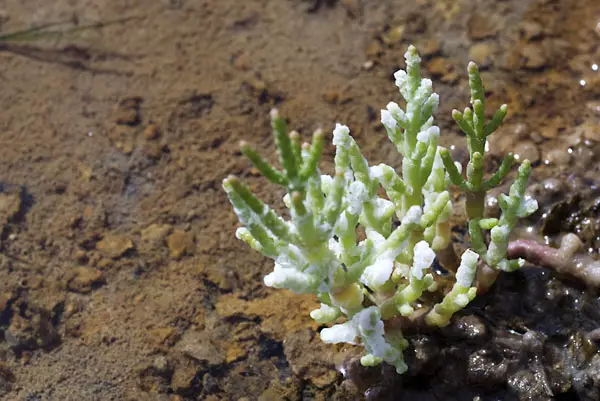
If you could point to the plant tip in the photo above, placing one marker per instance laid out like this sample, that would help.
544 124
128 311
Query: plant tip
472 67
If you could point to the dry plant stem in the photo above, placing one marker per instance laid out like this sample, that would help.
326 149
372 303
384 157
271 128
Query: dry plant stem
486 277
562 260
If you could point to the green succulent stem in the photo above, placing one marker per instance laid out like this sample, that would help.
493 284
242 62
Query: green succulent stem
342 242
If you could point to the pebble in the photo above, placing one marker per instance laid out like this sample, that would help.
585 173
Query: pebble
181 243
527 150
469 328
530 29
123 137
374 49
438 66
394 35
481 53
533 56
558 157
128 111
589 130
429 48
242 62
163 335
155 234
151 132
221 277
235 352
114 246
31 328
184 377
200 346
83 279
480 27
552 127
152 150
10 206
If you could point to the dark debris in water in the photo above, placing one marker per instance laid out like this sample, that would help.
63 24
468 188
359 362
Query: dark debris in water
526 339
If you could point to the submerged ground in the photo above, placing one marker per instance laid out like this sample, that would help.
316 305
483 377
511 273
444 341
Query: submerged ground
120 277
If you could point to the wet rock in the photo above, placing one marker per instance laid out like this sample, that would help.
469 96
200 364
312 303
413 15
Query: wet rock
235 352
31 327
547 191
288 390
181 243
123 138
10 205
529 386
394 35
264 92
152 150
588 130
533 56
527 150
552 127
424 354
114 246
151 132
485 370
374 50
594 106
200 346
164 335
310 359
439 67
222 277
429 48
415 23
587 382
184 377
530 29
104 264
468 328
6 379
128 111
154 235
533 343
195 106
84 279
273 310
482 53
558 157
155 378
480 27
242 61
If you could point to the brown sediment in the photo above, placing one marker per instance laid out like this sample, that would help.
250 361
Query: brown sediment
120 275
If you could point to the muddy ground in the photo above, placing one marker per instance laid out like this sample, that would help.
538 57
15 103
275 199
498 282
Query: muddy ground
120 277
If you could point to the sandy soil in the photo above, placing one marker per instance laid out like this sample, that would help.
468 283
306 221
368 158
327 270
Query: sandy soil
120 277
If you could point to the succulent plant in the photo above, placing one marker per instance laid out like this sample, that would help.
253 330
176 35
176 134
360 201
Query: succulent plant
372 283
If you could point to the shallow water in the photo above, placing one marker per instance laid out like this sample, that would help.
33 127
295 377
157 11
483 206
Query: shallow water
120 277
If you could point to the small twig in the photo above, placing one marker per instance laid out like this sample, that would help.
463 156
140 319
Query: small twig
563 260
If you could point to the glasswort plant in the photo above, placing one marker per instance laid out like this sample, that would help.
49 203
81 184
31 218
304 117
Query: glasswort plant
371 284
